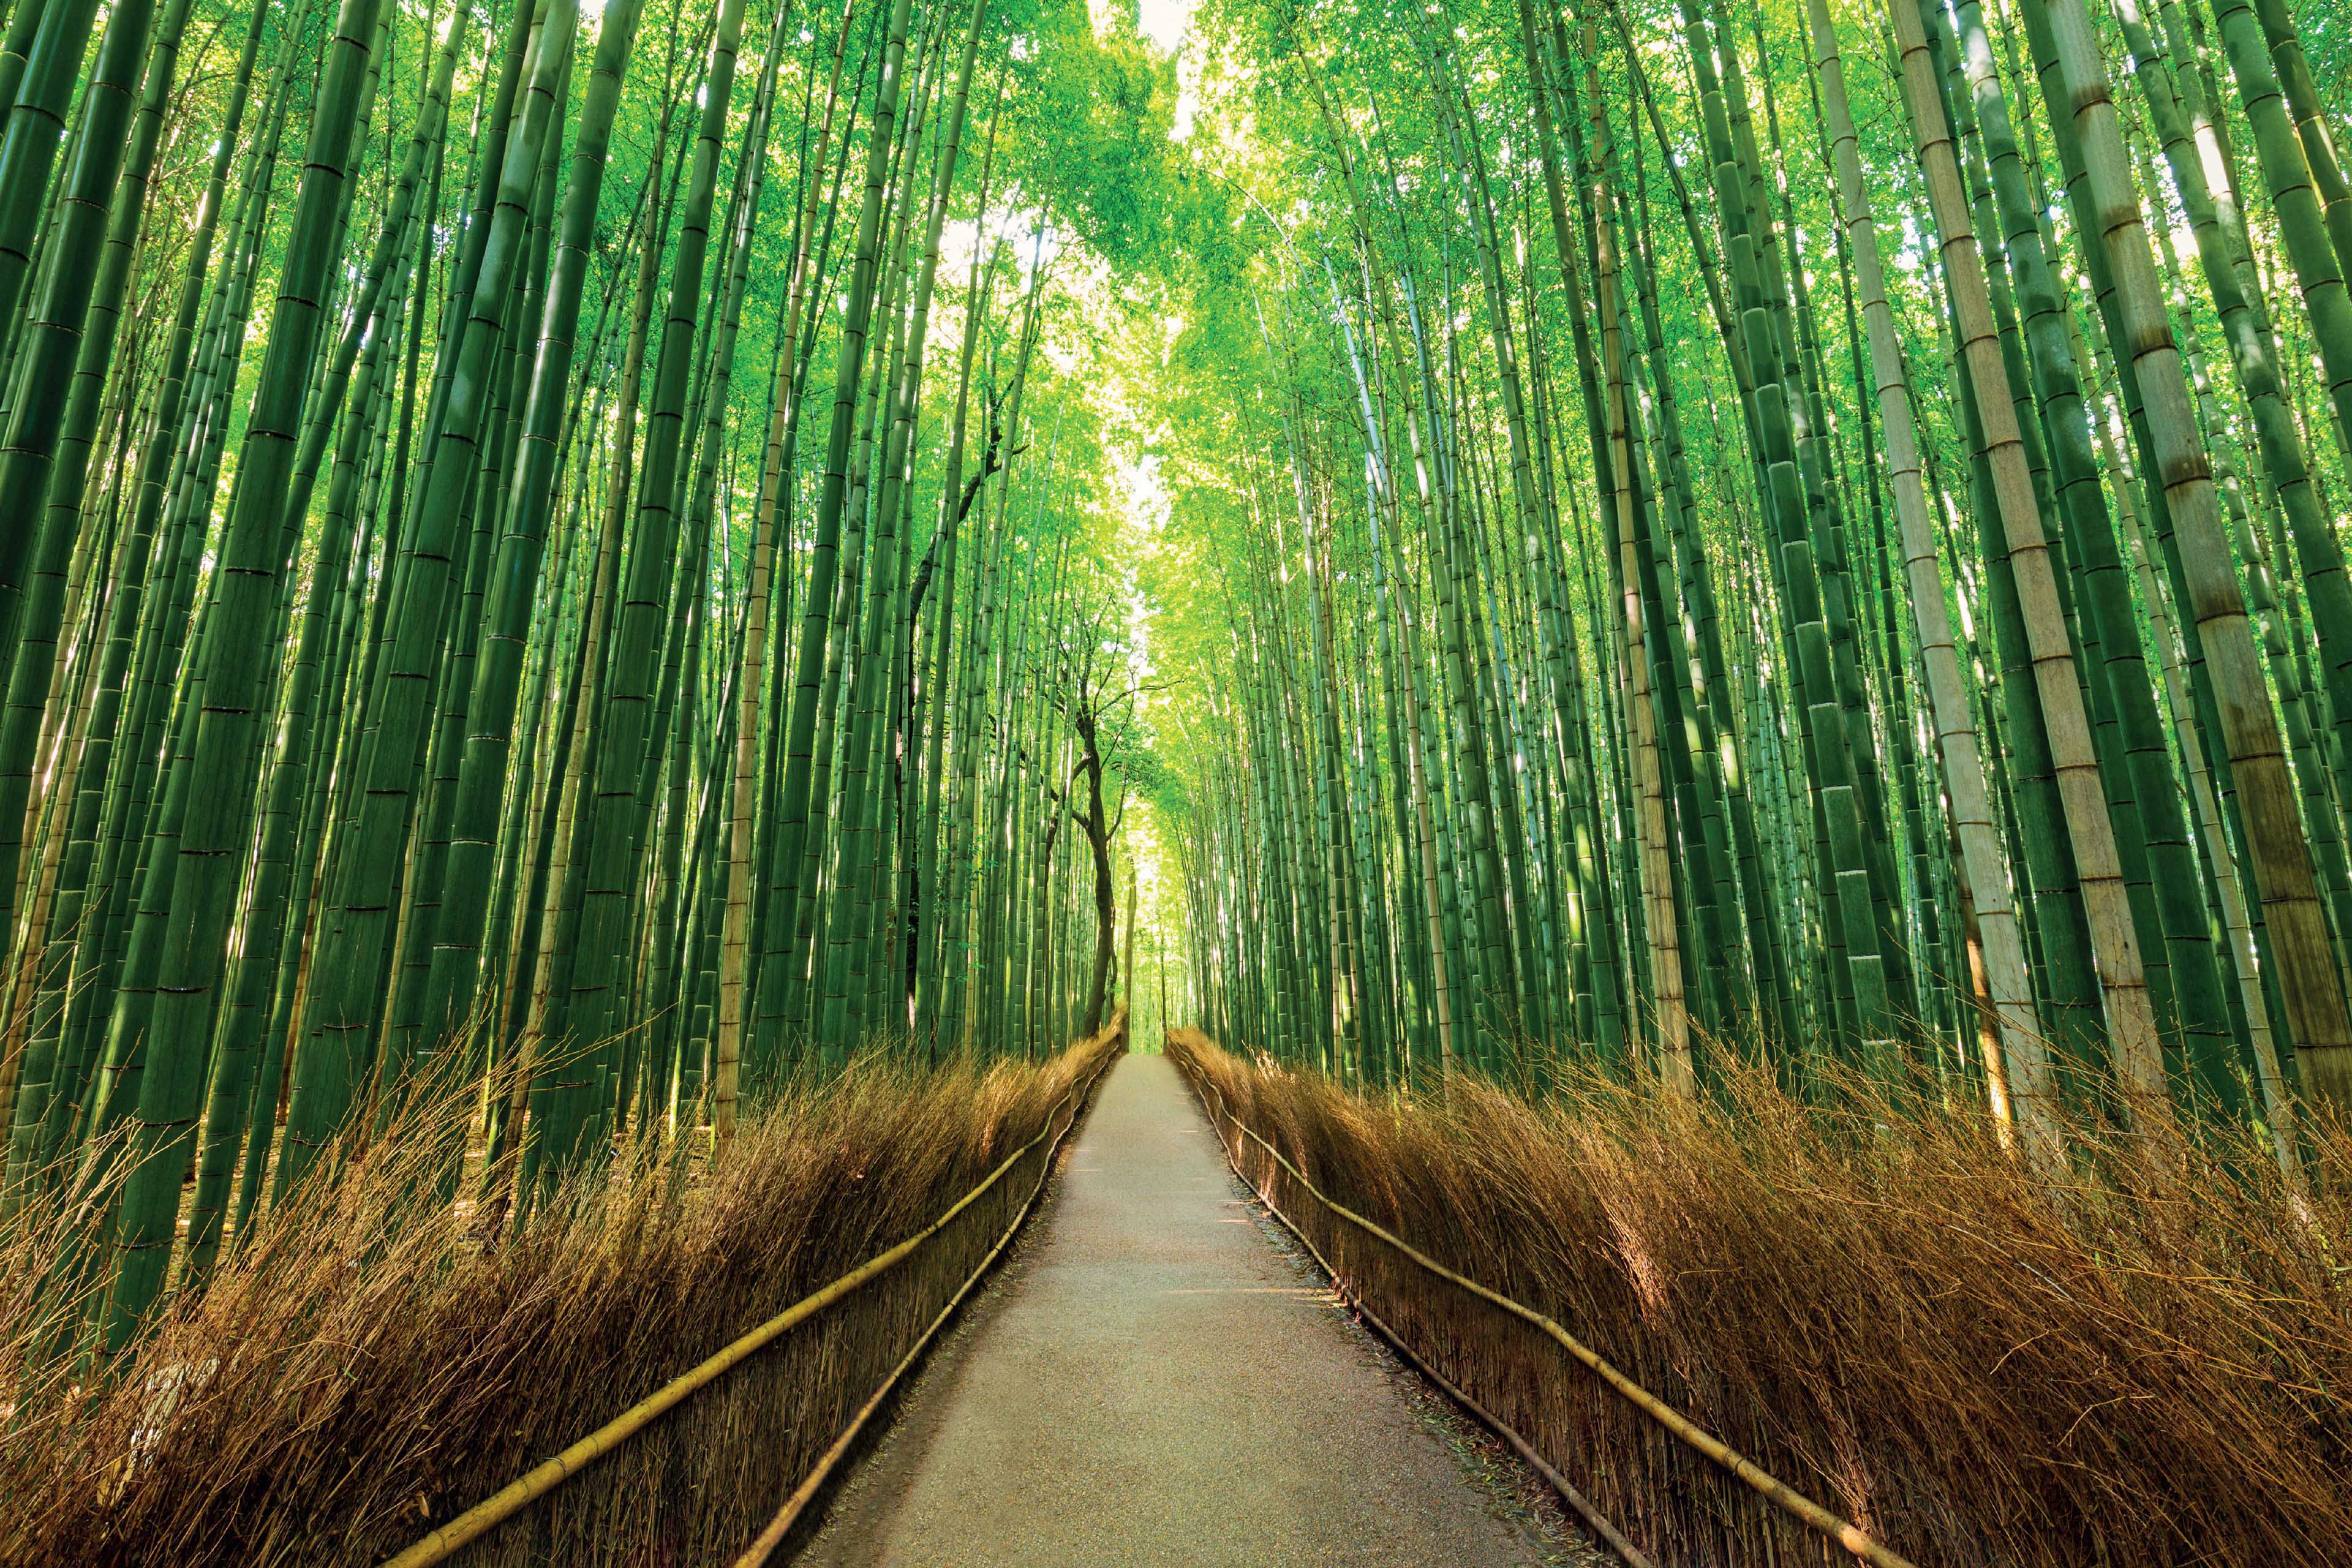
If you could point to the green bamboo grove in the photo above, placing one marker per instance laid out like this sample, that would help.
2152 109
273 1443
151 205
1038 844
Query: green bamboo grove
540 569
1797 534
595 562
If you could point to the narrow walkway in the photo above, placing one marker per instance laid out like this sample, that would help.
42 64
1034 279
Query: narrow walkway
1153 1383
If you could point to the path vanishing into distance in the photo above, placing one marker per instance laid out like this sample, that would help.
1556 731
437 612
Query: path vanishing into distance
1152 1382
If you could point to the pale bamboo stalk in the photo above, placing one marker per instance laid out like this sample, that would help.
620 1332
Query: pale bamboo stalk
1657 867
2030 1099
2137 1057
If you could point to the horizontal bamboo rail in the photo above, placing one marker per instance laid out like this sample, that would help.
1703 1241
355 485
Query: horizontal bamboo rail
757 1553
1789 1501
1632 1555
547 1475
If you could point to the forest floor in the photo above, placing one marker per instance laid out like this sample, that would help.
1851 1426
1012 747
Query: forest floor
1155 1380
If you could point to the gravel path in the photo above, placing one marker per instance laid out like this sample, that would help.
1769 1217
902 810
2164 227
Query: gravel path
1151 1381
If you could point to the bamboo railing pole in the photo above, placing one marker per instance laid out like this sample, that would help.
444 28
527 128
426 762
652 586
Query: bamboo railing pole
1786 1497
549 1474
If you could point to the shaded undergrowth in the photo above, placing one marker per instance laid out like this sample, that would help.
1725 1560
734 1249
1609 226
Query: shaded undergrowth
368 1364
1874 1302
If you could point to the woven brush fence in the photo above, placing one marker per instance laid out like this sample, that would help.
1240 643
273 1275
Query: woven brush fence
353 1382
1900 1327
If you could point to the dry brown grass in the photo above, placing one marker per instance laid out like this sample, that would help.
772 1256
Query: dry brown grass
368 1366
1874 1303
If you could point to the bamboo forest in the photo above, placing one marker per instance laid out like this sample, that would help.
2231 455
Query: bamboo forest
1228 782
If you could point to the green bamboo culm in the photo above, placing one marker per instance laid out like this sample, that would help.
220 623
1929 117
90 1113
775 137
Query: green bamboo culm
615 823
253 570
340 1028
